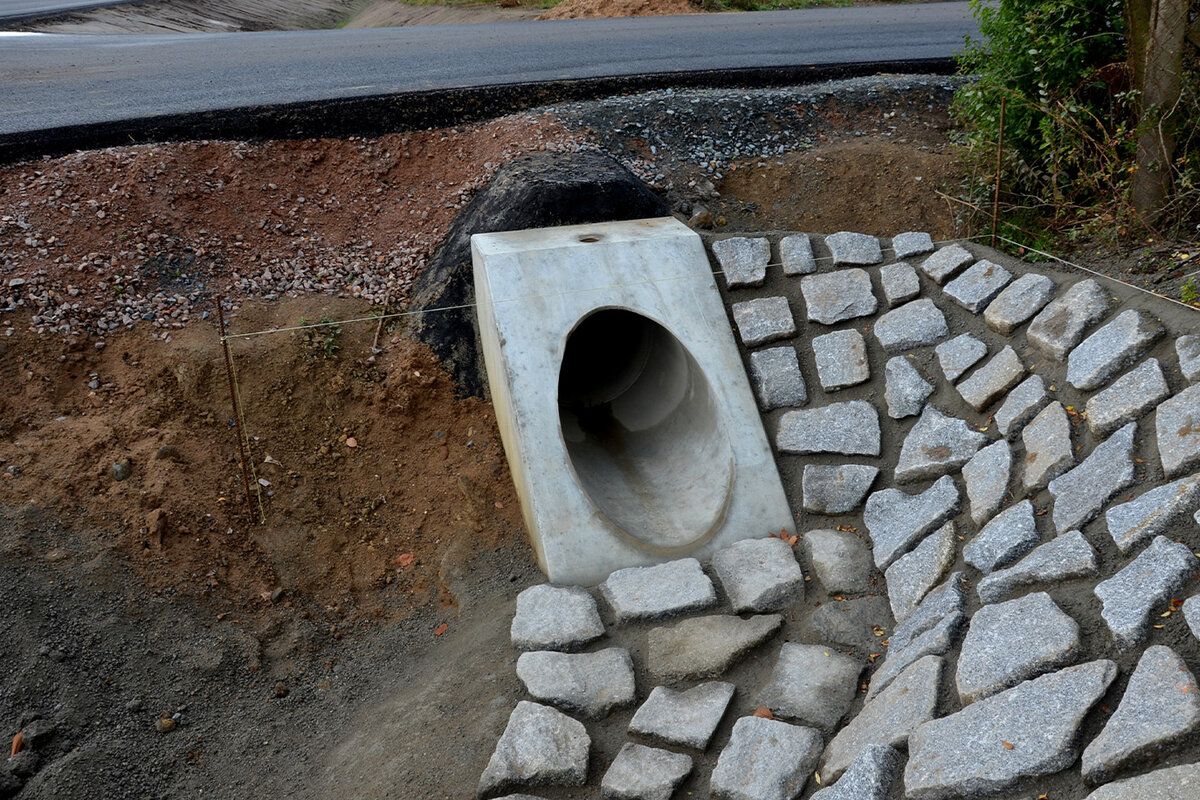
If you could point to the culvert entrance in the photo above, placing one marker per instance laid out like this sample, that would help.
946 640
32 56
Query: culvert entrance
643 431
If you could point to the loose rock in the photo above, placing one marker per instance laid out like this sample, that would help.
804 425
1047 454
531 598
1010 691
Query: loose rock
744 261
936 445
912 243
1081 493
644 773
763 320
539 747
836 489
900 283
914 324
841 358
1062 323
1063 558
993 379
1147 582
555 618
811 683
856 249
976 287
1172 783
1022 404
660 591
897 520
687 718
987 475
1106 351
1019 301
592 684
1146 516
759 575
778 382
705 647
959 354
858 624
833 297
796 252
945 262
906 391
913 575
1048 451
1007 537
765 760
1188 350
1127 399
1177 423
850 428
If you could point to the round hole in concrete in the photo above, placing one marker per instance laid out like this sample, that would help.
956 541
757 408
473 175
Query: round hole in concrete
643 431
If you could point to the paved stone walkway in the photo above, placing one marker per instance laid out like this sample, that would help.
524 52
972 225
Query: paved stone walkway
996 474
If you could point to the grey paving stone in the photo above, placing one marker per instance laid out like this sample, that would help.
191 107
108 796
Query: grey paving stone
663 590
811 683
841 358
591 684
966 755
778 382
797 255
1160 707
1191 614
555 618
1112 347
836 489
1013 641
1081 493
957 355
913 575
1127 399
1064 557
705 647
948 600
937 641
1146 516
763 320
854 249
1177 423
833 297
1171 783
912 243
744 261
1062 323
1144 584
861 623
1008 536
900 283
766 759
889 718
1048 451
540 746
905 390
986 476
976 287
914 324
1188 350
644 773
897 520
841 560
868 778
519 797
996 377
936 445
759 575
688 718
850 428
1019 301
945 262
1022 404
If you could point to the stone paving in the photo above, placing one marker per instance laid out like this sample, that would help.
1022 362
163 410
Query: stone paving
994 590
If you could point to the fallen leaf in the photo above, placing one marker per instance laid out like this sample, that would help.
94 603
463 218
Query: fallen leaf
404 559
763 712
351 442
18 740
817 778
440 629
1007 745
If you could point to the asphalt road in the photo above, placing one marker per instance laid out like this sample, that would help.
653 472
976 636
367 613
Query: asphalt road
16 9
47 81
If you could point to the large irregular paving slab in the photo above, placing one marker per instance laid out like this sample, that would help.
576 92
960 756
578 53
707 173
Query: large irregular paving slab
1008 536
763 320
796 253
937 641
986 476
897 520
936 445
705 647
868 778
905 390
948 600
1011 642
889 718
853 249
836 489
744 261
913 575
850 428
990 746
841 358
1067 556
833 297
644 773
1019 301
688 718
1188 350
1146 516
591 684
996 377
912 243
1048 451
899 283
811 683
766 759
1144 584
976 287
778 381
1062 323
759 575
1127 399
956 356
555 618
858 624
1160 708
540 746
1081 493
1022 404
663 590
1172 783
1112 347
1177 424
914 324
1191 612
945 262
841 560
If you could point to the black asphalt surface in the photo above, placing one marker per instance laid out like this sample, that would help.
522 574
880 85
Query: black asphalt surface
19 9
